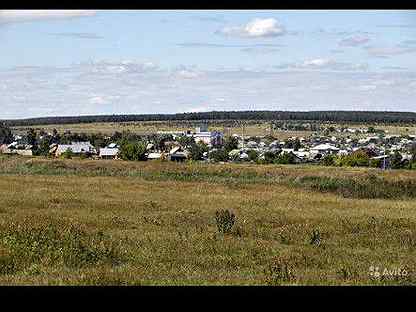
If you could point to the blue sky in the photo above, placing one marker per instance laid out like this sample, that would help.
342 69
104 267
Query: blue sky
113 62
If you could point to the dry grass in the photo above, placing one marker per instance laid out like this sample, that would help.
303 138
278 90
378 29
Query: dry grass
252 128
72 228
149 127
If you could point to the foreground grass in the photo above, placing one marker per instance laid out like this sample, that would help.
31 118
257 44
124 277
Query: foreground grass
74 223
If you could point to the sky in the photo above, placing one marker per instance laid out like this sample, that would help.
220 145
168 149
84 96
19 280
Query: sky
84 62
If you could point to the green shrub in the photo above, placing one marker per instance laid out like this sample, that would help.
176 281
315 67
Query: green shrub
253 155
329 160
219 155
197 150
68 154
285 159
225 221
269 157
356 159
133 151
376 163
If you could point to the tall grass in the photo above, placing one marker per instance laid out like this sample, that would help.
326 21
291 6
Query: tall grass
27 245
364 184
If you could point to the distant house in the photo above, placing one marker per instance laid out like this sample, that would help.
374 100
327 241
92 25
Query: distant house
23 152
3 148
252 144
108 153
77 148
178 154
210 138
303 155
152 156
17 149
287 150
324 149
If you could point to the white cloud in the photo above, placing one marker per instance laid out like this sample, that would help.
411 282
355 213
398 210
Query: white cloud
188 74
111 67
197 109
385 52
101 100
354 41
97 100
256 28
317 63
12 16
324 64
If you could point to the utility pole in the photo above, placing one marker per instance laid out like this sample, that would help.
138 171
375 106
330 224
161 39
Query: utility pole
242 125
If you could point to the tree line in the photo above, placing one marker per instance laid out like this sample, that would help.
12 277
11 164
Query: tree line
331 116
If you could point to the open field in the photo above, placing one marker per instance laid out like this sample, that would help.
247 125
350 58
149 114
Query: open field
252 128
149 127
153 223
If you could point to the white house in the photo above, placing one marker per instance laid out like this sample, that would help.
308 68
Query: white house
77 148
324 149
108 153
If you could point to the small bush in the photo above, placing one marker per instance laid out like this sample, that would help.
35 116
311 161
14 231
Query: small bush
281 271
315 238
68 154
225 221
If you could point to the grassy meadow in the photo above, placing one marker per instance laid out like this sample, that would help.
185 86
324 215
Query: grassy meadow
83 222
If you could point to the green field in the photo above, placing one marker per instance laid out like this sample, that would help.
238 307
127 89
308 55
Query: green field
82 222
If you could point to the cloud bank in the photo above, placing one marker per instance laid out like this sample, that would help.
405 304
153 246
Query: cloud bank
15 16
324 64
386 52
111 87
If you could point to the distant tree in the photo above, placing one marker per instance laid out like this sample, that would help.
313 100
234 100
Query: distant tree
230 143
413 152
44 146
159 140
328 160
269 157
286 159
133 151
376 163
31 137
396 161
185 141
356 159
253 155
117 136
219 155
197 150
6 136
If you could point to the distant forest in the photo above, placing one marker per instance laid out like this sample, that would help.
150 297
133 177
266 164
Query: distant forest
320 116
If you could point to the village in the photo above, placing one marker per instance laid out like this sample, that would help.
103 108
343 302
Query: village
375 148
